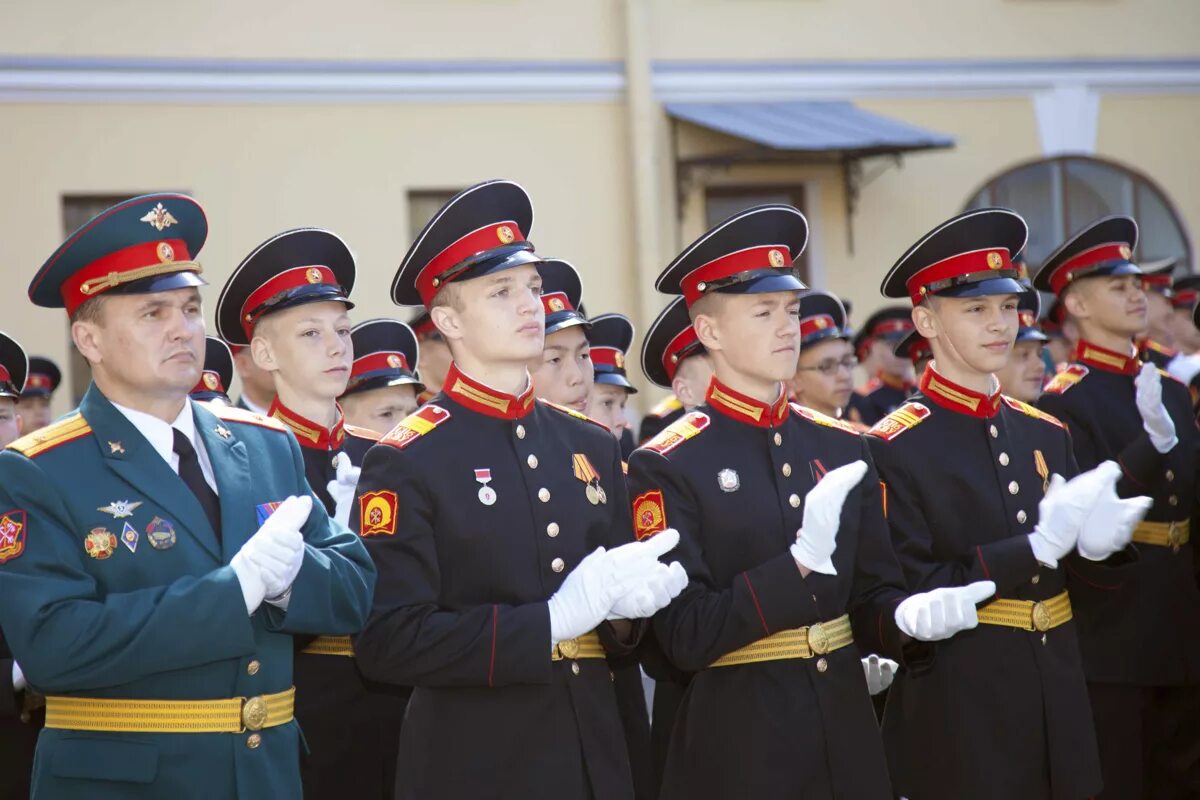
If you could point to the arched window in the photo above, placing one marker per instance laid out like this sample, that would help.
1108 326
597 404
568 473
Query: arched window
1058 196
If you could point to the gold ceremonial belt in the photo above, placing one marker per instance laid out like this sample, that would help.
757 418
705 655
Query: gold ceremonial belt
586 646
1027 614
815 640
1164 534
330 646
235 715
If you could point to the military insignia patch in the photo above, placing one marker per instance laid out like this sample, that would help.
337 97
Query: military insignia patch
263 511
903 418
130 537
416 425
1033 411
100 543
120 509
1066 379
377 513
159 218
728 480
678 432
12 535
649 515
161 534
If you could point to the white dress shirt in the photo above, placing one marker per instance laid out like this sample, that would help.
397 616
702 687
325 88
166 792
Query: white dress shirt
160 436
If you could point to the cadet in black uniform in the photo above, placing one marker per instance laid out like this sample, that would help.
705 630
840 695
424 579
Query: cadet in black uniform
611 336
782 533
892 382
1139 628
293 315
1024 373
488 512
34 409
217 374
975 490
384 387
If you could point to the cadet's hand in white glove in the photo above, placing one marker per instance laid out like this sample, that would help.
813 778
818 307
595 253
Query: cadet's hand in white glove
817 538
880 672
1109 526
1155 419
1063 511
941 613
343 488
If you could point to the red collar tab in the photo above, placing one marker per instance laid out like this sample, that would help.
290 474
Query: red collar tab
950 395
210 381
256 303
811 326
1080 265
746 409
608 357
309 433
484 399
144 260
1100 358
36 380
771 256
1151 346
977 265
555 302
685 343
480 240
375 362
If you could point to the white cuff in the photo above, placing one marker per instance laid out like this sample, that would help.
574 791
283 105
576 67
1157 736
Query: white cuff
18 677
281 602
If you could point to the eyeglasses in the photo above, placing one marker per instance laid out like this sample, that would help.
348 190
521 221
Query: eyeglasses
829 366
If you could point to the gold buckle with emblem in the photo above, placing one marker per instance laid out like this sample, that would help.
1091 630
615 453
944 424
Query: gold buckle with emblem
1028 615
586 646
254 713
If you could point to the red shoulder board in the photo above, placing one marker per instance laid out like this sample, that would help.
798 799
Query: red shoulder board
1067 378
678 432
823 419
907 416
362 433
415 425
570 412
1033 411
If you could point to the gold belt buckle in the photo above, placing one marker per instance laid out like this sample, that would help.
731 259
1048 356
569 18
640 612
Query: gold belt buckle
254 713
818 640
1175 536
1041 617
569 648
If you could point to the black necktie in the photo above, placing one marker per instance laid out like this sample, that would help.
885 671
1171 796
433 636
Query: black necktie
193 476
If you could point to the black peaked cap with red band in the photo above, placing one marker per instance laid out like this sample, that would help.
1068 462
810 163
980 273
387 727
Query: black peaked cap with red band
822 317
562 293
669 342
751 252
970 255
611 336
304 265
218 371
481 230
1103 248
14 367
914 347
1185 292
385 354
890 323
1158 276
1029 308
44 377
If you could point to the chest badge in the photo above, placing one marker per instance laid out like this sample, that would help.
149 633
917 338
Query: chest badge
223 432
161 534
487 495
100 543
130 537
728 480
116 447
120 509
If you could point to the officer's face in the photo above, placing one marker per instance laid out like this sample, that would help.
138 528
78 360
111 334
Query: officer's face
565 373
10 426
1023 375
380 409
1112 304
825 376
975 334
145 345
754 335
607 406
496 319
34 413
307 349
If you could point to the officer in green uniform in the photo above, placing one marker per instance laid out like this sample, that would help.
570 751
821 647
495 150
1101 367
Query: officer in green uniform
157 556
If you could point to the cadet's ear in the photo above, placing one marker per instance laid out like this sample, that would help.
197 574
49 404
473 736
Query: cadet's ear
708 331
1075 301
262 353
448 321
926 320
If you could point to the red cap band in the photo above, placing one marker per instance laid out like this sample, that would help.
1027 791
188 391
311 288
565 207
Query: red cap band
608 357
995 258
209 382
75 290
288 279
37 380
4 375
477 241
817 324
555 302
682 341
372 362
773 256
1112 251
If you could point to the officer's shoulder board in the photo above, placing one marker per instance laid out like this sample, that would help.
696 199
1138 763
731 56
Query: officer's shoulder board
678 432
235 414
823 419
415 425
362 433
1066 378
68 429
904 418
1033 411
570 412
668 405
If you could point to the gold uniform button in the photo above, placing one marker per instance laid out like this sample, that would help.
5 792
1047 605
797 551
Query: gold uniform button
552 530
787 470
520 431
794 501
994 432
1004 459
532 461
253 741
1173 500
822 665
1022 516
778 439
558 565
1170 475
544 494
1013 487
253 667
1035 580
574 667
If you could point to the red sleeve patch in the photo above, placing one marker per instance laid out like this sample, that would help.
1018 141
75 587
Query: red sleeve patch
649 515
377 513
12 535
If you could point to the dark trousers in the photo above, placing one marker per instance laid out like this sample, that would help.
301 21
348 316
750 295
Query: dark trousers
1149 738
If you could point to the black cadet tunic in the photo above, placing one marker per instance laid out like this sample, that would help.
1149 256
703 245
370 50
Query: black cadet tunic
732 477
1000 712
476 508
877 398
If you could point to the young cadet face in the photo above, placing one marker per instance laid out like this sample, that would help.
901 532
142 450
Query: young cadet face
145 345
1023 375
257 382
607 406
10 426
306 348
496 319
1113 304
380 409
971 333
34 412
565 373
822 382
756 337
692 378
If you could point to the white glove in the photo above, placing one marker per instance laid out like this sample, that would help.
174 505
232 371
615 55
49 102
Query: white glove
18 677
880 672
661 587
941 613
269 561
343 488
1155 419
817 538
1184 367
1109 526
1062 513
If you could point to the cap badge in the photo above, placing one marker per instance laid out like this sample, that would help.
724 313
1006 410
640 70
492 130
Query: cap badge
394 362
159 217
165 252
994 260
313 275
1126 253
556 304
210 382
505 234
776 258
619 360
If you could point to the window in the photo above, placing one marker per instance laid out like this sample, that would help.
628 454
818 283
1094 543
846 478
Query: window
1059 196
722 202
423 204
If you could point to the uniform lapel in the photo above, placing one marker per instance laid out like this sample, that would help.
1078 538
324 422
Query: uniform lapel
131 457
231 466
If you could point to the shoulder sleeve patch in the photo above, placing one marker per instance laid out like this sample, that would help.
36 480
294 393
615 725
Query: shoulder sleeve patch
362 433
67 429
823 419
1033 411
667 405
415 425
649 515
12 534
235 414
907 416
678 432
570 412
1065 379
377 513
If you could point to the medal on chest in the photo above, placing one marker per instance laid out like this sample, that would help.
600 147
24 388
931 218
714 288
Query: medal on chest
487 495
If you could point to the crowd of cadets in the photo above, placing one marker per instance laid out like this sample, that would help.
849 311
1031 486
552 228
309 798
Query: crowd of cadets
972 576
